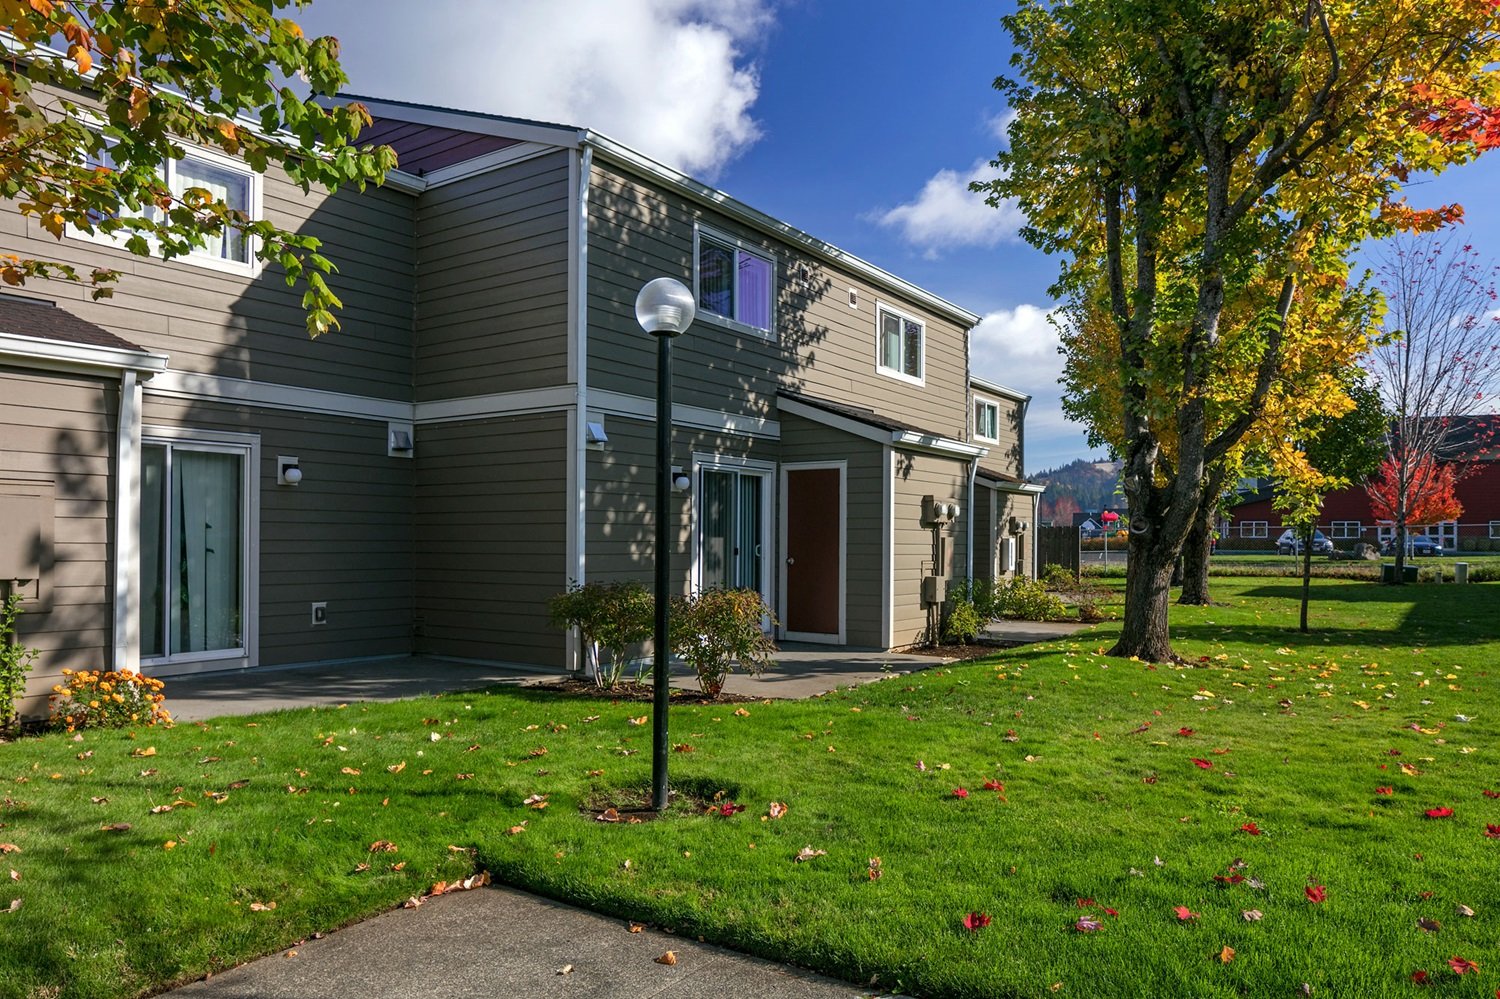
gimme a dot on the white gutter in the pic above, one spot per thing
(78, 358)
(969, 525)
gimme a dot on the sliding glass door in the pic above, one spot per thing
(193, 551)
(731, 518)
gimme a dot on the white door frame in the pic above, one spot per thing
(765, 471)
(804, 636)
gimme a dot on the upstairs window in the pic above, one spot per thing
(902, 344)
(735, 283)
(986, 420)
(217, 177)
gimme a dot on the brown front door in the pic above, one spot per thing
(814, 576)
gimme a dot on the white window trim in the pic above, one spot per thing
(1255, 529)
(1344, 530)
(726, 463)
(978, 400)
(250, 267)
(1494, 530)
(202, 662)
(922, 354)
(739, 246)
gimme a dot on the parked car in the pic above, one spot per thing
(1416, 544)
(1290, 543)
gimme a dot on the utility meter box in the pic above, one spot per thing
(26, 513)
(934, 589)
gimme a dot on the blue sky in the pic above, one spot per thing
(859, 121)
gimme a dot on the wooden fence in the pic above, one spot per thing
(1057, 545)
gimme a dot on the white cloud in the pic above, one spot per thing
(671, 78)
(999, 124)
(1019, 349)
(945, 214)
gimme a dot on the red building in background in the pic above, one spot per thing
(1473, 444)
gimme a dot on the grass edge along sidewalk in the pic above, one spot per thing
(1292, 809)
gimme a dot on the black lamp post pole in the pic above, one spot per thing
(659, 678)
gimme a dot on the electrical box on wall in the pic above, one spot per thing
(26, 515)
(934, 589)
(936, 512)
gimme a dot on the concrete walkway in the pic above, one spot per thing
(498, 942)
(1006, 632)
(802, 671)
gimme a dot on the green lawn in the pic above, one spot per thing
(1299, 733)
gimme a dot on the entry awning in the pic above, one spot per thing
(867, 424)
(35, 333)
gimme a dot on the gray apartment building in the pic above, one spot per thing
(189, 483)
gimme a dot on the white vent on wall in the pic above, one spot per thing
(853, 299)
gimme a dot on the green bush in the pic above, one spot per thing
(982, 594)
(962, 622)
(1485, 573)
(1468, 544)
(15, 662)
(1058, 577)
(717, 629)
(1029, 600)
(612, 616)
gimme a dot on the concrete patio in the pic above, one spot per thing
(802, 671)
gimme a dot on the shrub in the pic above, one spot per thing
(962, 622)
(611, 616)
(1029, 600)
(1058, 577)
(1485, 573)
(717, 629)
(15, 662)
(981, 594)
(108, 699)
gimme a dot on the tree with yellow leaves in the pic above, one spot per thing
(1188, 157)
(86, 130)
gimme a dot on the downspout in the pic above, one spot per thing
(127, 634)
(969, 524)
(578, 570)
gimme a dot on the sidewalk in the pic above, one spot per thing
(499, 942)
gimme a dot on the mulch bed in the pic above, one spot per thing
(631, 693)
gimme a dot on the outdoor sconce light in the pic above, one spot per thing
(680, 479)
(288, 472)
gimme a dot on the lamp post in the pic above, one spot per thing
(665, 309)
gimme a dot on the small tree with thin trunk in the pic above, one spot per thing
(1440, 366)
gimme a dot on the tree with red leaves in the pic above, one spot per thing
(1424, 495)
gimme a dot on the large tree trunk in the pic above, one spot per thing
(1148, 591)
(1195, 560)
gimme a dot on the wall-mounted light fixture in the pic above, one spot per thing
(288, 471)
(680, 479)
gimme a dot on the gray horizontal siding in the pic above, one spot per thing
(59, 429)
(822, 346)
(343, 535)
(492, 296)
(239, 326)
(918, 475)
(491, 527)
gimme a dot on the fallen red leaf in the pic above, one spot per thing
(993, 785)
(729, 808)
(1462, 967)
(1439, 813)
(1184, 913)
(1315, 893)
(1202, 764)
(1420, 977)
(1385, 790)
(976, 921)
(1491, 794)
(960, 792)
(1492, 831)
(1184, 732)
(1251, 828)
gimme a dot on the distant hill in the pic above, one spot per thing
(1080, 485)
